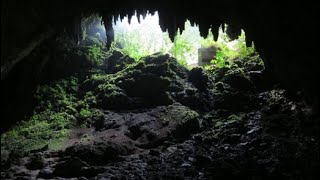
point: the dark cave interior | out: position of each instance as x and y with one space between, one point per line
155 119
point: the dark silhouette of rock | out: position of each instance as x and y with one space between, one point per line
198 78
35 162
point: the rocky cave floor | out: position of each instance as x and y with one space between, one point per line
161 121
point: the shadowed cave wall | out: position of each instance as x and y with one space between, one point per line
284 34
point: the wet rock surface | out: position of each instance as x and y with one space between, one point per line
161 121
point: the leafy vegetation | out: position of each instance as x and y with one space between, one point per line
50 122
96 54
180 46
58 109
41 129
219 60
140 39
145 38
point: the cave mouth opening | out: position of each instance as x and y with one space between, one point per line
101 114
140 35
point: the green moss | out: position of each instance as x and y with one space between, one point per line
96 54
87 116
191 115
100 77
54 115
41 129
220 59
90 99
57 96
109 95
85 113
234 117
186 119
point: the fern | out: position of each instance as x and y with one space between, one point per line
219 60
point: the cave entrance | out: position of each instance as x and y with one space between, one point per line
141 35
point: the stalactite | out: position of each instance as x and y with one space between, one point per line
152 12
233 31
203 27
130 14
115 18
163 20
109 29
121 15
215 31
138 13
180 23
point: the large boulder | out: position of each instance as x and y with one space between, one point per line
185 121
198 78
110 96
237 79
146 83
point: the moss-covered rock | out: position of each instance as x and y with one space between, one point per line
219 73
186 120
238 80
111 96
141 84
117 61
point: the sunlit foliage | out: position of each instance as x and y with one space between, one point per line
145 38
58 109
140 39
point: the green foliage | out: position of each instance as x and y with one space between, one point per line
234 117
110 93
131 46
41 129
179 48
242 49
219 60
89 99
140 39
185 46
228 50
85 113
208 41
58 109
96 54
53 116
87 116
191 115
145 38
58 96
134 40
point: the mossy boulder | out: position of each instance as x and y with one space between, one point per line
117 61
186 121
237 79
141 84
250 63
111 96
